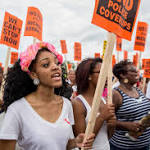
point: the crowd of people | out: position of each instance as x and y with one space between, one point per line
46 110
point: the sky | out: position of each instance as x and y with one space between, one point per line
70 20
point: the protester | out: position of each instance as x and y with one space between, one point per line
131 105
1 78
86 79
36 117
148 88
72 82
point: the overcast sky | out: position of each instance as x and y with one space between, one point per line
69 20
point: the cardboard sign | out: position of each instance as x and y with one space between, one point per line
125 55
97 55
11 31
77 51
119 44
14 57
145 63
146 73
117 16
104 48
141 34
69 66
63 46
34 23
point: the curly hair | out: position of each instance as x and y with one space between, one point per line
65 90
121 68
83 71
18 84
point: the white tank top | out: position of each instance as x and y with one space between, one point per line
101 141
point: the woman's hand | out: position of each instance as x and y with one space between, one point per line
107 111
87 144
133 126
111 122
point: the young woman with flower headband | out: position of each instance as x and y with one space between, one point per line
36 117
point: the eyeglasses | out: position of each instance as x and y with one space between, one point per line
96 72
135 71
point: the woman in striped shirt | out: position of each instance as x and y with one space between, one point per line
131 105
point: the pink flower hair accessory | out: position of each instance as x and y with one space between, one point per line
30 53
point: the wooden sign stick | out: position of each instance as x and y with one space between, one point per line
34 40
110 83
100 85
139 60
66 63
5 71
117 56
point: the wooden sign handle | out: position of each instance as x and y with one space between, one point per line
109 81
5 71
100 85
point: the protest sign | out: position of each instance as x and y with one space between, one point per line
63 46
104 48
77 51
117 16
97 55
141 34
125 55
119 44
11 31
14 57
34 23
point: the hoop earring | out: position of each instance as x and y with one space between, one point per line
125 80
36 81
89 78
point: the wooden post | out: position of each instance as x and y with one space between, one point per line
139 60
117 56
66 63
100 85
34 40
5 71
110 83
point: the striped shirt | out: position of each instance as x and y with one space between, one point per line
132 109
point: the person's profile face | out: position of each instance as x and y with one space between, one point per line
132 73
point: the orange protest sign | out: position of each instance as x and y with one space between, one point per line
125 55
11 31
146 73
69 66
34 23
14 57
113 60
77 51
0 64
115 16
63 46
119 43
145 63
97 55
141 34
135 59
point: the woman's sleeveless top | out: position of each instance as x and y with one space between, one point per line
132 109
